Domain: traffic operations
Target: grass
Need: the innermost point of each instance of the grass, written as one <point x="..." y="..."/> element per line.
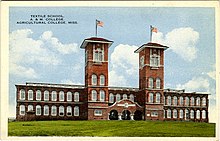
<point x="112" y="128"/>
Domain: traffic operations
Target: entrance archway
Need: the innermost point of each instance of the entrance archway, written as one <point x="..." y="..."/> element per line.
<point x="137" y="115"/>
<point x="126" y="115"/>
<point x="113" y="115"/>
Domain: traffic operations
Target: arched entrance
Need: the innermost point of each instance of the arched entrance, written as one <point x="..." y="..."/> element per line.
<point x="137" y="115"/>
<point x="113" y="115"/>
<point x="126" y="115"/>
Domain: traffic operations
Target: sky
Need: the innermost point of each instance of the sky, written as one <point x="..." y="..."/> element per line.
<point x="51" y="53"/>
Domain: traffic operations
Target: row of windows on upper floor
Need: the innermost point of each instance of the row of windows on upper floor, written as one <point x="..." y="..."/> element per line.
<point x="117" y="97"/>
<point x="174" y="114"/>
<point x="95" y="80"/>
<point x="46" y="95"/>
<point x="174" y="101"/>
<point x="50" y="110"/>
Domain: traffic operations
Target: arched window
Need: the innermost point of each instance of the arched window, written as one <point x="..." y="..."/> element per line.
<point x="125" y="96"/>
<point x="76" y="96"/>
<point x="30" y="95"/>
<point x="186" y="114"/>
<point x="38" y="110"/>
<point x="174" y="100"/>
<point x="38" y="95"/>
<point x="118" y="97"/>
<point x="61" y="96"/>
<point x="132" y="97"/>
<point x="46" y="110"/>
<point x="69" y="111"/>
<point x="198" y="114"/>
<point x="69" y="96"/>
<point x="198" y="101"/>
<point x="54" y="96"/>
<point x="186" y="101"/>
<point x="76" y="111"/>
<point x="174" y="113"/>
<point x="192" y="101"/>
<point x="181" y="113"/>
<point x="30" y="108"/>
<point x="61" y="111"/>
<point x="203" y="114"/>
<point x="158" y="83"/>
<point x="169" y="100"/>
<point x="203" y="101"/>
<point x="158" y="98"/>
<point x="111" y="98"/>
<point x="22" y="110"/>
<point x="94" y="95"/>
<point x="151" y="98"/>
<point x="192" y="114"/>
<point x="168" y="113"/>
<point x="53" y="110"/>
<point x="151" y="83"/>
<point x="22" y="94"/>
<point x="102" y="95"/>
<point x="46" y="95"/>
<point x="102" y="80"/>
<point x="181" y="100"/>
<point x="94" y="79"/>
<point x="98" y="54"/>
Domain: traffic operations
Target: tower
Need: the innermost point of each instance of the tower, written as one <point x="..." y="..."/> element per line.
<point x="151" y="79"/>
<point x="96" y="76"/>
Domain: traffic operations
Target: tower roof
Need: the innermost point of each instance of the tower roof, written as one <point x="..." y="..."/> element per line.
<point x="95" y="40"/>
<point x="151" y="45"/>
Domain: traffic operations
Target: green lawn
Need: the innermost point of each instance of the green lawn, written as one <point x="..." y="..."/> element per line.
<point x="112" y="128"/>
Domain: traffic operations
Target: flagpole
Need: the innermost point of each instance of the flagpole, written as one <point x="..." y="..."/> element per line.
<point x="96" y="28"/>
<point x="150" y="33"/>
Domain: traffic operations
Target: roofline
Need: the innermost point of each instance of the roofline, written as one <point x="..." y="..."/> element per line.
<point x="85" y="42"/>
<point x="144" y="46"/>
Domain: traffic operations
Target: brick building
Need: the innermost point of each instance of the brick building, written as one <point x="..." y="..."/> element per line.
<point x="97" y="101"/>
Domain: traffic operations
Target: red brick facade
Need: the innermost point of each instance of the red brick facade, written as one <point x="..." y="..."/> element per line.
<point x="97" y="101"/>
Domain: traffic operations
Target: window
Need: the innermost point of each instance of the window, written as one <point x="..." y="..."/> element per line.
<point x="94" y="95"/>
<point x="98" y="112"/>
<point x="186" y="101"/>
<point x="53" y="110"/>
<point x="38" y="110"/>
<point x="186" y="114"/>
<point x="30" y="95"/>
<point x="151" y="98"/>
<point x="22" y="110"/>
<point x="154" y="58"/>
<point x="192" y="114"/>
<point x="54" y="96"/>
<point x="203" y="114"/>
<point x="102" y="80"/>
<point x="76" y="111"/>
<point x="192" y="102"/>
<point x="86" y="57"/>
<point x="30" y="108"/>
<point x="198" y="114"/>
<point x="154" y="114"/>
<point x="118" y="97"/>
<point x="38" y="95"/>
<point x="142" y="61"/>
<point x="168" y="113"/>
<point x="132" y="97"/>
<point x="169" y="100"/>
<point x="61" y="96"/>
<point x="181" y="100"/>
<point x="76" y="97"/>
<point x="197" y="101"/>
<point x="94" y="79"/>
<point x="181" y="113"/>
<point x="61" y="111"/>
<point x="175" y="100"/>
<point x="111" y="98"/>
<point x="174" y="113"/>
<point x="158" y="83"/>
<point x="69" y="111"/>
<point x="46" y="110"/>
<point x="158" y="98"/>
<point x="203" y="101"/>
<point x="102" y="95"/>
<point x="98" y="55"/>
<point x="125" y="96"/>
<point x="151" y="83"/>
<point x="46" y="95"/>
<point x="22" y="94"/>
<point x="69" y="96"/>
